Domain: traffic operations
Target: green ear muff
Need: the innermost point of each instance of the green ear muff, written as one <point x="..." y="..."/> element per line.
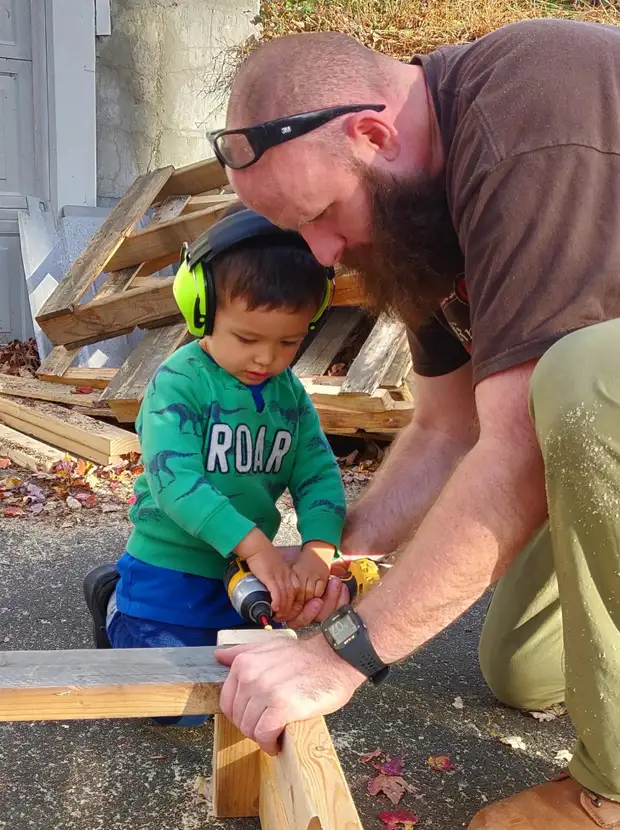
<point x="328" y="297"/>
<point x="189" y="290"/>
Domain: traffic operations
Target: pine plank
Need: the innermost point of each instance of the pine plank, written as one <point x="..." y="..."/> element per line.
<point x="82" y="376"/>
<point x="57" y="362"/>
<point x="348" y="289"/>
<point x="119" y="314"/>
<point x="27" y="452"/>
<point x="116" y="282"/>
<point x="195" y="178"/>
<point x="108" y="239"/>
<point x="369" y="367"/>
<point x="125" y="412"/>
<point x="204" y="201"/>
<point x="112" y="683"/>
<point x="359" y="402"/>
<point x="336" y="420"/>
<point x="71" y="431"/>
<point x="319" y="355"/>
<point x="159" y="239"/>
<point x="307" y="776"/>
<point x="133" y="377"/>
<point x="42" y="390"/>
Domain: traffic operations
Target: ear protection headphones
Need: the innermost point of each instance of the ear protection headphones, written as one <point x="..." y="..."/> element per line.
<point x="194" y="286"/>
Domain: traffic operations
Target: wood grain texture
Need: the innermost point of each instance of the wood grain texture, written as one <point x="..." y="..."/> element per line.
<point x="27" y="452"/>
<point x="116" y="282"/>
<point x="134" y="375"/>
<point x="236" y="759"/>
<point x="114" y="683"/>
<point x="194" y="179"/>
<point x="82" y="376"/>
<point x="342" y="421"/>
<point x="42" y="390"/>
<point x="201" y="202"/>
<point x="108" y="239"/>
<point x="348" y="290"/>
<point x="369" y="367"/>
<point x="318" y="357"/>
<point x="309" y="779"/>
<point x="357" y="402"/>
<point x="78" y="434"/>
<point x="399" y="367"/>
<point x="101" y="319"/>
<point x="159" y="239"/>
<point x="125" y="412"/>
<point x="57" y="362"/>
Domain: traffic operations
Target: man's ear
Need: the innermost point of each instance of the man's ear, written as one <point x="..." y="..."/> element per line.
<point x="373" y="134"/>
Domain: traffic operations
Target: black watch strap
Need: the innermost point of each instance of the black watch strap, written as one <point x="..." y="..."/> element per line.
<point x="358" y="649"/>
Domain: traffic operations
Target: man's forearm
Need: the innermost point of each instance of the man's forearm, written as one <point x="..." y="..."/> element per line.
<point x="490" y="507"/>
<point x="408" y="482"/>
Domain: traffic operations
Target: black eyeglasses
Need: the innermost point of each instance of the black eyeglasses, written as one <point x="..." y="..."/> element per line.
<point x="241" y="148"/>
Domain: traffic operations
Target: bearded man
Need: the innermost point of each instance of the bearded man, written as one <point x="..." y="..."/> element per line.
<point x="477" y="191"/>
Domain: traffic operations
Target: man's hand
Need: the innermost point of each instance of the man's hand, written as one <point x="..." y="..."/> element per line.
<point x="272" y="684"/>
<point x="312" y="569"/>
<point x="268" y="565"/>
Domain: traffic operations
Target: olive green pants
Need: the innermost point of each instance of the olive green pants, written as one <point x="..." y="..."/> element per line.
<point x="552" y="632"/>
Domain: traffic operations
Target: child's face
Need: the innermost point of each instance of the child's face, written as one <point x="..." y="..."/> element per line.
<point x="255" y="345"/>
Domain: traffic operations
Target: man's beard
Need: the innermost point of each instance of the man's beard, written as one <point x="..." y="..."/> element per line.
<point x="413" y="257"/>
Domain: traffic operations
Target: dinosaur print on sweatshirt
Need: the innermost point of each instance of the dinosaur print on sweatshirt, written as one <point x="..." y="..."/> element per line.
<point x="159" y="464"/>
<point x="163" y="370"/>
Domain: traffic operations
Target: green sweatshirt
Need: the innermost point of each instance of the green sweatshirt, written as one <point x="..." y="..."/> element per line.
<point x="216" y="461"/>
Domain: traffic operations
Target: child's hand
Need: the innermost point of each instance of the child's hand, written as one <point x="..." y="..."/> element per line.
<point x="276" y="575"/>
<point x="312" y="569"/>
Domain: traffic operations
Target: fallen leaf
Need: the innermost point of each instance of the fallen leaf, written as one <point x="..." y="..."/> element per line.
<point x="349" y="460"/>
<point x="441" y="763"/>
<point x="364" y="759"/>
<point x="108" y="507"/>
<point x="87" y="500"/>
<point x="458" y="703"/>
<point x="565" y="756"/>
<point x="35" y="492"/>
<point x="131" y="500"/>
<point x="82" y="390"/>
<point x="12" y="512"/>
<point x="393" y="766"/>
<point x="80" y="468"/>
<point x="73" y="504"/>
<point x="398" y="819"/>
<point x="10" y="483"/>
<point x="514" y="742"/>
<point x="543" y="717"/>
<point x="393" y="786"/>
<point x="36" y="508"/>
<point x="203" y="787"/>
<point x="4" y="463"/>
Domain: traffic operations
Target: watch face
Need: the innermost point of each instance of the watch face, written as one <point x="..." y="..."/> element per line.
<point x="342" y="629"/>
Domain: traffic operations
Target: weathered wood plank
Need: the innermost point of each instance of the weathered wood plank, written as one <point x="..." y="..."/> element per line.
<point x="367" y="370"/>
<point x="195" y="178"/>
<point x="335" y="419"/>
<point x="82" y="376"/>
<point x="108" y="239"/>
<point x="112" y="683"/>
<point x="201" y="202"/>
<point x="398" y="368"/>
<point x="319" y="355"/>
<point x="42" y="390"/>
<point x="159" y="239"/>
<point x="57" y="362"/>
<point x="134" y="375"/>
<point x="79" y="434"/>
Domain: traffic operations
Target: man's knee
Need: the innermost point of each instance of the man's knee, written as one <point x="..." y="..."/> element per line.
<point x="498" y="672"/>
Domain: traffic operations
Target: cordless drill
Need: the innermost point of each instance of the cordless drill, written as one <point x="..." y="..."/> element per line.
<point x="252" y="601"/>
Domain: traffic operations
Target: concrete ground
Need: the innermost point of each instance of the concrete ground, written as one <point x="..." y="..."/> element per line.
<point x="129" y="774"/>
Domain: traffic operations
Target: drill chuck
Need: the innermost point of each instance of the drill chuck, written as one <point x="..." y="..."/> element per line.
<point x="247" y="594"/>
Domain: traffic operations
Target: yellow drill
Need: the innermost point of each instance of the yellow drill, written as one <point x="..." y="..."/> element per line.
<point x="251" y="600"/>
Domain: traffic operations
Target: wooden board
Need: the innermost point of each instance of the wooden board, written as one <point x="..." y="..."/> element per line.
<point x="42" y="390"/>
<point x="236" y="759"/>
<point x="27" y="452"/>
<point x="348" y="290"/>
<point x="159" y="239"/>
<point x="108" y="239"/>
<point x="79" y="434"/>
<point x="201" y="202"/>
<point x="57" y="362"/>
<point x="360" y="403"/>
<point x="119" y="314"/>
<point x="134" y="375"/>
<point x="334" y="333"/>
<point x="195" y="178"/>
<point x="307" y="776"/>
<point x="111" y="683"/>
<point x="82" y="376"/>
<point x="125" y="412"/>
<point x="367" y="370"/>
<point x="399" y="367"/>
<point x="336" y="420"/>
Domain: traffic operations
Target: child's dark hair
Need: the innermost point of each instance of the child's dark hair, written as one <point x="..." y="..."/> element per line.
<point x="269" y="273"/>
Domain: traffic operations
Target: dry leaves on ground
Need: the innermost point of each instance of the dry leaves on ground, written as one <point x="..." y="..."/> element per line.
<point x="514" y="742"/>
<point x="19" y="358"/>
<point x="441" y="763"/>
<point x="392" y="786"/>
<point x="398" y="819"/>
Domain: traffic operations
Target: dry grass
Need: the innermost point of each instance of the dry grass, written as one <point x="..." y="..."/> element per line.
<point x="404" y="27"/>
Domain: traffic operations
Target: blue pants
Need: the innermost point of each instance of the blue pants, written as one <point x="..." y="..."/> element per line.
<point x="130" y="632"/>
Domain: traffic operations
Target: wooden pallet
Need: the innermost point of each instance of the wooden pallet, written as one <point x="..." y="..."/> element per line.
<point x="131" y="296"/>
<point x="302" y="788"/>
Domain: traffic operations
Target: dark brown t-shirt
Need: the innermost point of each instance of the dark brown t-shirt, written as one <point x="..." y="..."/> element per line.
<point x="530" y="122"/>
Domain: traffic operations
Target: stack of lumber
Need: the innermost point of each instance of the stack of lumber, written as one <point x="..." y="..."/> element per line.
<point x="373" y="397"/>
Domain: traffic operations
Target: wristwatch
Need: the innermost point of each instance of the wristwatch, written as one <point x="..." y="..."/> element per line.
<point x="347" y="635"/>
